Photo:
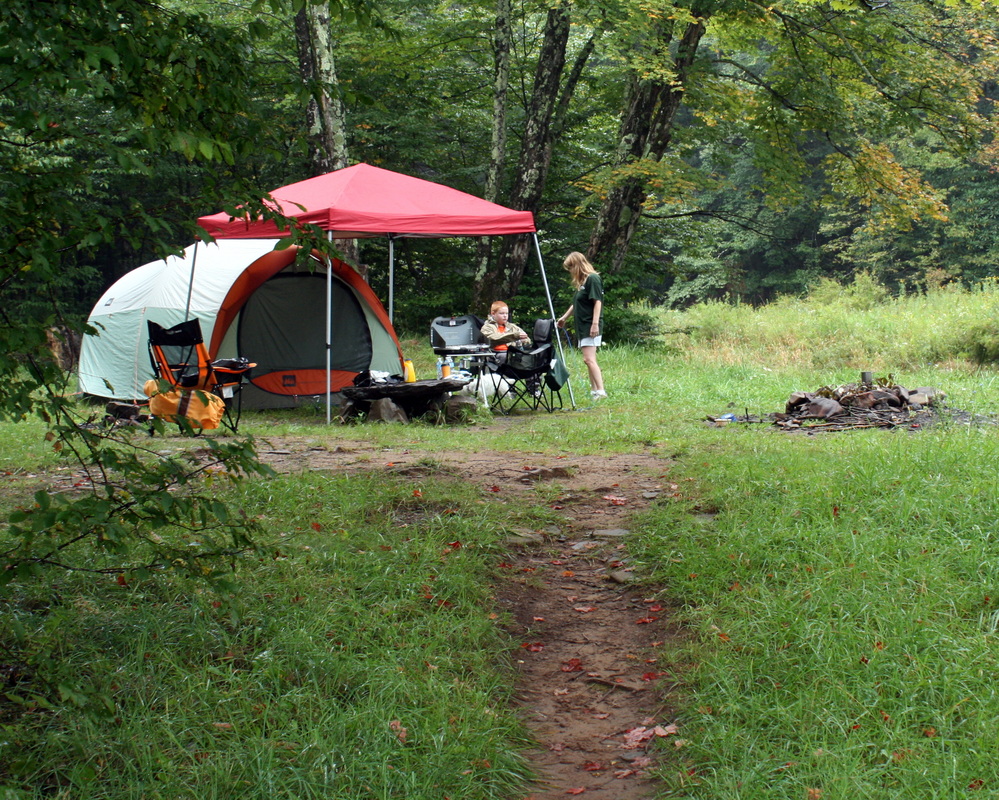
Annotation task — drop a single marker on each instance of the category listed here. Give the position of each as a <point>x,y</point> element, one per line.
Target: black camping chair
<point>180,359</point>
<point>534,376</point>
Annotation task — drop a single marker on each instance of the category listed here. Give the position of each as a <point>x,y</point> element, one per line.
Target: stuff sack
<point>202,409</point>
<point>558,374</point>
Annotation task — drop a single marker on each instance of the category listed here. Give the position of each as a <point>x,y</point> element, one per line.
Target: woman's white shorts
<point>591,341</point>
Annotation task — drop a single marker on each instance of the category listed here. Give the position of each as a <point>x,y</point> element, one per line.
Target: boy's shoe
<point>598,394</point>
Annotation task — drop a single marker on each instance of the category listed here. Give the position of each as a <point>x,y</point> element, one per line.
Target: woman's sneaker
<point>598,394</point>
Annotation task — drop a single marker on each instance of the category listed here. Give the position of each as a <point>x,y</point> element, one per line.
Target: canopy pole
<point>190,283</point>
<point>391,288</point>
<point>551,309</point>
<point>329,328</point>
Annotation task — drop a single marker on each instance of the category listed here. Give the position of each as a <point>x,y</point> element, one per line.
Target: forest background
<point>714,149</point>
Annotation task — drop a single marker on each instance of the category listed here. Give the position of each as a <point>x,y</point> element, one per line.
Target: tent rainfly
<point>252,301</point>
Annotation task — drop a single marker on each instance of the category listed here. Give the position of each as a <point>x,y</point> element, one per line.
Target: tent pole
<point>391,308</point>
<point>551,309</point>
<point>329,327</point>
<point>190,284</point>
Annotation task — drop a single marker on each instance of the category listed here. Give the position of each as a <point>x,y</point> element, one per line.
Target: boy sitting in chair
<point>500,333</point>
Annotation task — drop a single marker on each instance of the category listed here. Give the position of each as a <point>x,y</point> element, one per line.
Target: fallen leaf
<point>645,620</point>
<point>577,790</point>
<point>572,665</point>
<point>316,527</point>
<point>584,609</point>
<point>400,731</point>
<point>417,493</point>
<point>533,647</point>
<point>593,766</point>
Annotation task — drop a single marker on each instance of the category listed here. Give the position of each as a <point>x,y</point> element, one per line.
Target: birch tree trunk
<point>325,114</point>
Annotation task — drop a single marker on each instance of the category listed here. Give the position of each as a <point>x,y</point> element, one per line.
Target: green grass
<point>841,592</point>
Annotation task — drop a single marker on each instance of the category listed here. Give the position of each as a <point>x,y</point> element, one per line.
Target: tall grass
<point>837,328</point>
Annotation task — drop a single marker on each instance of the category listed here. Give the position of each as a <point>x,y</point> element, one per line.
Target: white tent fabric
<point>115,362</point>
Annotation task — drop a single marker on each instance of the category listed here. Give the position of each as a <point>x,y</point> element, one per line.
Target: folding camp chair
<point>534,376</point>
<point>199,389</point>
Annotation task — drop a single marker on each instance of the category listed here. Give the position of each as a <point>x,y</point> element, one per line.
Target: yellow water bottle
<point>410,372</point>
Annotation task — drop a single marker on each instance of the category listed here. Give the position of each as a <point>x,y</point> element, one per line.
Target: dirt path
<point>589,685</point>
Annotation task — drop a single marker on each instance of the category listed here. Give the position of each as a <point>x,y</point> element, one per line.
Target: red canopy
<point>364,201</point>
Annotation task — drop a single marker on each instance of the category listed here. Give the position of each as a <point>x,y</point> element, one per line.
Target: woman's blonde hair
<point>578,267</point>
<point>497,306</point>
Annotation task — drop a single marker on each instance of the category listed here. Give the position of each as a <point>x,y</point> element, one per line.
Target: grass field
<point>842,591</point>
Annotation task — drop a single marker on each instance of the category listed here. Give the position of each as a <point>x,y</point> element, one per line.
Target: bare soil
<point>590,688</point>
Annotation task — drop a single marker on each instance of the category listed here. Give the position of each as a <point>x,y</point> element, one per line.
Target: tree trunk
<point>535,157</point>
<point>502,42</point>
<point>325,115</point>
<point>645,133</point>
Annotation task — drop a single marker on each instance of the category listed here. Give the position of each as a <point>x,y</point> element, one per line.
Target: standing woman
<point>587,306</point>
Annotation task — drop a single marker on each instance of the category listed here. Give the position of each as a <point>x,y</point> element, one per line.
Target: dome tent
<point>252,301</point>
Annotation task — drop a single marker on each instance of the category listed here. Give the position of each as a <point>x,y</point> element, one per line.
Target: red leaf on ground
<point>121,580</point>
<point>533,647</point>
<point>493,488</point>
<point>615,499</point>
<point>651,676</point>
<point>577,790</point>
<point>417,493</point>
<point>645,620</point>
<point>400,731</point>
<point>455,545</point>
<point>316,527</point>
<point>572,665</point>
<point>593,766</point>
<point>584,609</point>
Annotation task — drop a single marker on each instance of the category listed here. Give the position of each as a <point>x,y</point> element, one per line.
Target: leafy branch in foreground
<point>131,511</point>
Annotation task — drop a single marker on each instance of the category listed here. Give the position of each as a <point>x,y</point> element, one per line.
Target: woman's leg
<point>596,377</point>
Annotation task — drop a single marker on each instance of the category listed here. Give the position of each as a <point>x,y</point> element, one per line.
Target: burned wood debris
<point>870,403</point>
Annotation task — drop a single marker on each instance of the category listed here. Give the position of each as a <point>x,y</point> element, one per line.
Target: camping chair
<point>534,376</point>
<point>461,338</point>
<point>458,337</point>
<point>200,390</point>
